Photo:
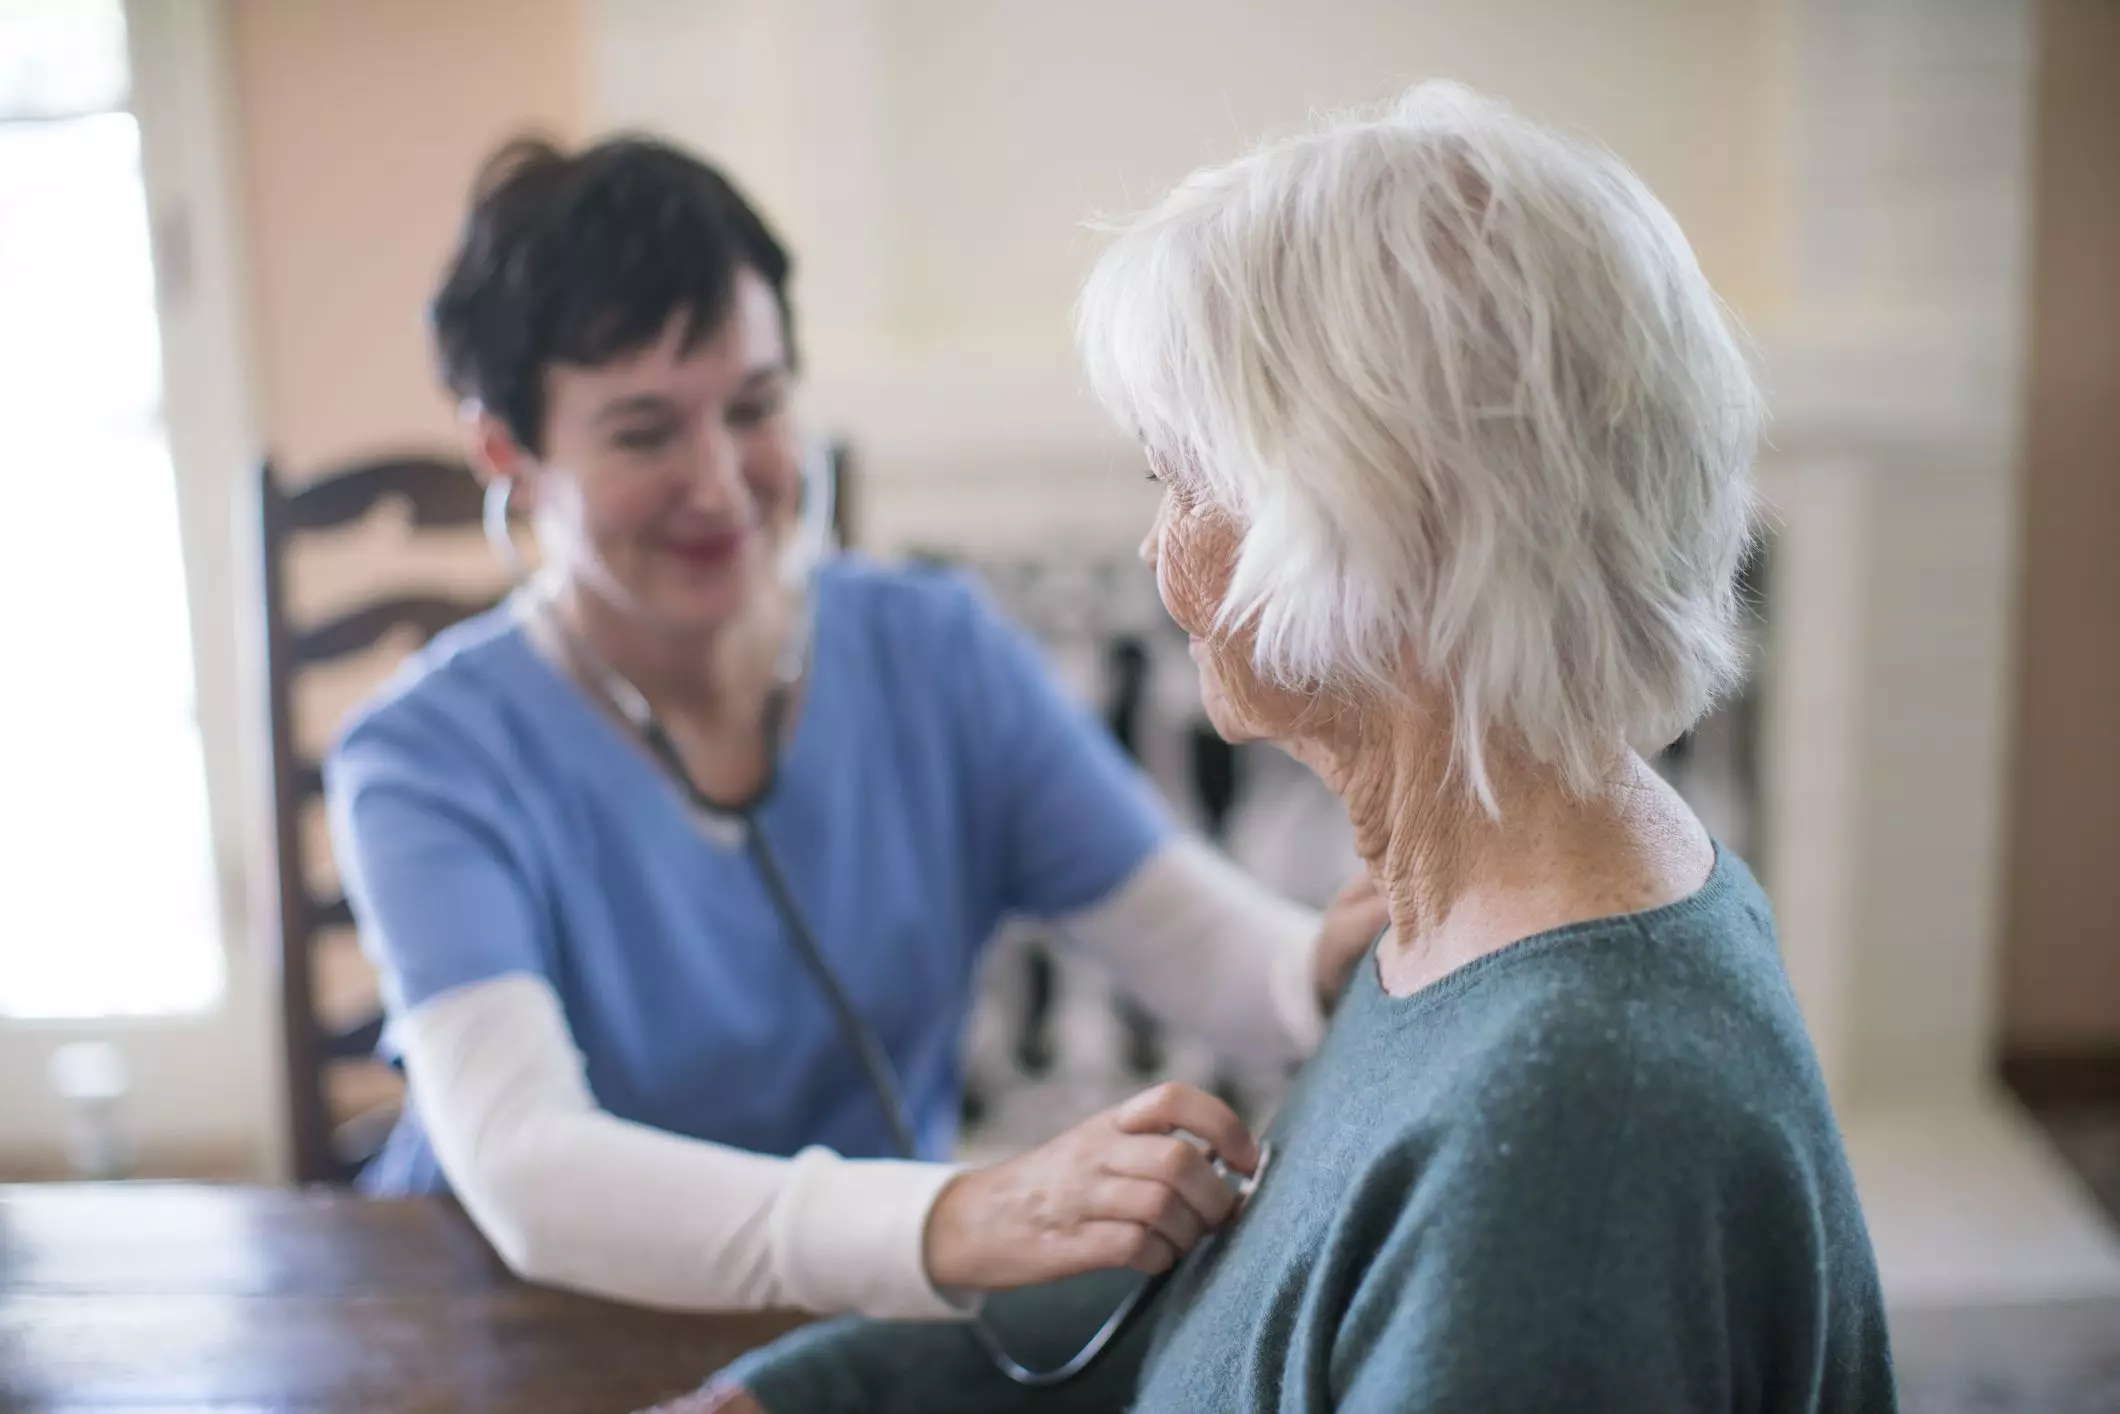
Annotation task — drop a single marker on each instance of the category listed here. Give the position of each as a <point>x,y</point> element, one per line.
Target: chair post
<point>308,1137</point>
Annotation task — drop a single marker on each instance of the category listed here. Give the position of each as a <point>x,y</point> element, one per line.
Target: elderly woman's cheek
<point>1214,699</point>
<point>1151,549</point>
<point>1194,561</point>
<point>1240,706</point>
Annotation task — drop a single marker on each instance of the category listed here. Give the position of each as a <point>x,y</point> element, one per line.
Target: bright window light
<point>107,898</point>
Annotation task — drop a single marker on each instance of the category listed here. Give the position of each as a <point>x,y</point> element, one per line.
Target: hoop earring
<point>495,522</point>
<point>814,534</point>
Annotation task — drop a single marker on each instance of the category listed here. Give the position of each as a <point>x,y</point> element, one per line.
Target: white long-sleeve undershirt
<point>573,1196</point>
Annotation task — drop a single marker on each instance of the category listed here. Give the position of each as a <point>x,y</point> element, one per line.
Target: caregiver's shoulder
<point>922,633</point>
<point>459,688</point>
<point>482,681</point>
<point>912,601</point>
<point>469,662</point>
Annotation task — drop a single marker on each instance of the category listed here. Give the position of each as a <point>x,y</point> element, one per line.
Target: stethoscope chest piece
<point>1244,1185</point>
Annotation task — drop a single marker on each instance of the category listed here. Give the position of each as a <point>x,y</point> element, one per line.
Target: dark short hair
<point>585,258</point>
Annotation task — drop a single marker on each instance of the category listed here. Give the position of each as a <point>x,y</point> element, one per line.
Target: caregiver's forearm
<point>1212,951</point>
<point>572,1196</point>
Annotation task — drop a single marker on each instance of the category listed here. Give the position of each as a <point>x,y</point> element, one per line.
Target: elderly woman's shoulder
<point>1616,1134</point>
<point>1680,1035</point>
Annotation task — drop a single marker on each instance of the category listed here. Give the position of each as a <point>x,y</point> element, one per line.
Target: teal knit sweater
<point>1595,1171</point>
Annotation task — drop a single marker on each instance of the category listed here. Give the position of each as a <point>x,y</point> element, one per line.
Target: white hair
<point>1465,390</point>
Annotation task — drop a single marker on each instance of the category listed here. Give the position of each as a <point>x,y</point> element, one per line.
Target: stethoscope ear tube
<point>493,519</point>
<point>815,536</point>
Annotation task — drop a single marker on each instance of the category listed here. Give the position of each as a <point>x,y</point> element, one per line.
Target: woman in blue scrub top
<point>618,1062</point>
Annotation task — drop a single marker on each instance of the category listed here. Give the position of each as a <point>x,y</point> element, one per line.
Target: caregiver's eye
<point>646,438</point>
<point>756,411</point>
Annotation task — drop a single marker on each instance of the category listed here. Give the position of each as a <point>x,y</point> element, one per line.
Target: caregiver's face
<point>1192,548</point>
<point>672,475</point>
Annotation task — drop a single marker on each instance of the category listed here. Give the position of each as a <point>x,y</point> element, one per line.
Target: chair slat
<point>440,494</point>
<point>355,1042</point>
<point>368,625</point>
<point>437,494</point>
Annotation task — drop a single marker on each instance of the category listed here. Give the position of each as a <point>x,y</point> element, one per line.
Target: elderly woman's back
<point>1457,449</point>
<point>1593,1170</point>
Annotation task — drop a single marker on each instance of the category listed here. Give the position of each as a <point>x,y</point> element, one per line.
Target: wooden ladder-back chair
<point>437,494</point>
<point>328,1147</point>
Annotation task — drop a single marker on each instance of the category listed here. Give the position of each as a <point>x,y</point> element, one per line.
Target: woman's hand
<point>713,1398</point>
<point>1352,921</point>
<point>1120,1189</point>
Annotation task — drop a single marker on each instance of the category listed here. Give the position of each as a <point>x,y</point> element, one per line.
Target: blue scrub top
<point>490,819</point>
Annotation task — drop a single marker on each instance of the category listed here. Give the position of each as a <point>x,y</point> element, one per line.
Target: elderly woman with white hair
<point>1455,444</point>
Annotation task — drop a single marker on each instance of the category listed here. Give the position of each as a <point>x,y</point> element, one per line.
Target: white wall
<point>933,161</point>
<point>1007,124</point>
<point>1901,359</point>
<point>1852,173</point>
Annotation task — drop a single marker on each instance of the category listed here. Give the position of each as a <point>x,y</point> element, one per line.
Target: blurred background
<point>219,223</point>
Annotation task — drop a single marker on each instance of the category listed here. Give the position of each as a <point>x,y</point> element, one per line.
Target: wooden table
<point>247,1301</point>
<point>178,1297</point>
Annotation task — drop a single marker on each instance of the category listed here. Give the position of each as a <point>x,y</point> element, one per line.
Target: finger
<point>1360,907</point>
<point>1150,1204</point>
<point>714,1398</point>
<point>1174,1106</point>
<point>733,1399</point>
<point>1123,1244</point>
<point>1176,1166</point>
<point>1360,888</point>
<point>1373,908</point>
<point>1155,1256</point>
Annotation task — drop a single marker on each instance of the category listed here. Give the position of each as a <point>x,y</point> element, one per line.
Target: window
<point>107,897</point>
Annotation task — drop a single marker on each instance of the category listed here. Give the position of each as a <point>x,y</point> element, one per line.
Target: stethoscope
<point>740,820</point>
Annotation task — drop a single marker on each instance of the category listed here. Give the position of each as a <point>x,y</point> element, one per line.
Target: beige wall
<point>1098,105</point>
<point>2061,957</point>
<point>362,125</point>
<point>933,161</point>
<point>359,130</point>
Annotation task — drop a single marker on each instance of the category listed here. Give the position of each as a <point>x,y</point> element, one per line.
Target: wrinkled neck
<point>1460,881</point>
<point>1415,825</point>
